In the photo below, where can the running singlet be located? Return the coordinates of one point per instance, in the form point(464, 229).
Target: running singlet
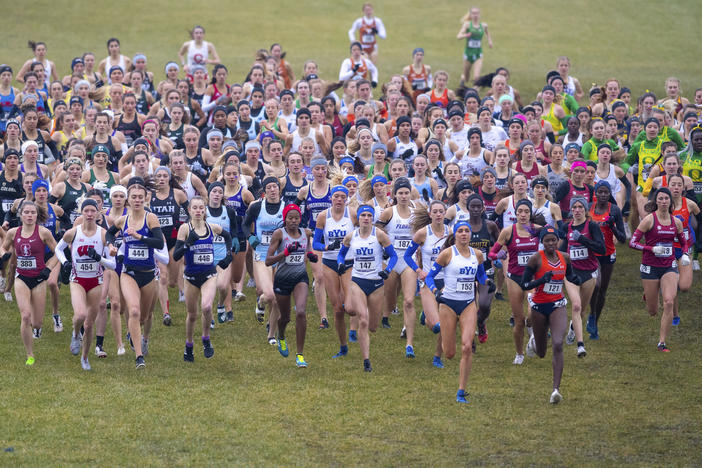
point(83, 265)
point(266, 224)
point(683, 214)
point(400, 232)
point(553, 290)
point(199, 257)
point(459, 276)
point(293, 266)
point(431, 248)
point(315, 205)
point(167, 211)
point(601, 220)
point(419, 80)
point(520, 249)
point(237, 203)
point(441, 101)
point(367, 36)
point(660, 235)
point(30, 253)
point(367, 256)
point(335, 230)
point(223, 221)
point(138, 255)
point(580, 256)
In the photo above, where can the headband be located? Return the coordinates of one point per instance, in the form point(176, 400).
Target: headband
point(350, 178)
point(578, 164)
point(139, 56)
point(460, 224)
point(378, 179)
point(75, 62)
point(80, 83)
point(27, 144)
point(548, 88)
point(5, 68)
point(213, 186)
point(580, 200)
point(289, 208)
point(270, 180)
point(39, 183)
point(523, 201)
point(318, 162)
point(571, 146)
point(488, 170)
point(524, 144)
point(505, 97)
point(339, 188)
point(118, 189)
point(365, 209)
point(462, 185)
point(13, 122)
point(345, 160)
point(379, 146)
point(401, 182)
point(101, 149)
point(541, 180)
point(213, 133)
point(115, 68)
point(603, 145)
point(652, 119)
point(433, 125)
point(405, 119)
point(170, 65)
point(88, 202)
point(162, 168)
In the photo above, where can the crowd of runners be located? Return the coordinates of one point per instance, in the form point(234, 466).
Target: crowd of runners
point(117, 187)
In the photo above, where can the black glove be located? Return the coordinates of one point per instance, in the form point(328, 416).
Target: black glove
point(312, 257)
point(355, 67)
point(6, 256)
point(224, 263)
point(45, 273)
point(576, 235)
point(439, 296)
point(374, 31)
point(92, 253)
point(336, 245)
point(341, 268)
point(407, 154)
point(120, 259)
point(65, 274)
point(384, 274)
point(374, 84)
point(192, 238)
point(547, 276)
point(491, 286)
point(611, 222)
point(414, 86)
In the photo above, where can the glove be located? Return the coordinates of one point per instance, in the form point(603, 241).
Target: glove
point(547, 276)
point(253, 241)
point(647, 167)
point(92, 253)
point(6, 256)
point(685, 260)
point(658, 250)
point(312, 257)
point(45, 273)
point(407, 154)
point(336, 245)
point(294, 247)
point(356, 66)
point(610, 221)
point(576, 235)
point(634, 168)
point(491, 286)
point(439, 296)
point(224, 263)
point(374, 84)
point(192, 238)
point(65, 274)
point(502, 254)
point(341, 268)
point(414, 86)
point(384, 274)
point(236, 246)
point(497, 263)
point(374, 31)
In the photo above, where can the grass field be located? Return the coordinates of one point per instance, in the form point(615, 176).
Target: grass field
point(625, 403)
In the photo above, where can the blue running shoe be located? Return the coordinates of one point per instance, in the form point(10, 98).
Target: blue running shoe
point(409, 352)
point(437, 362)
point(461, 396)
point(422, 318)
point(676, 321)
point(353, 337)
point(207, 348)
point(343, 351)
point(591, 324)
point(595, 336)
point(283, 347)
point(367, 365)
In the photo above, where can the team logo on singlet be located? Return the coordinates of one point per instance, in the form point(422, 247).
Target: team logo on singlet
point(26, 251)
point(197, 58)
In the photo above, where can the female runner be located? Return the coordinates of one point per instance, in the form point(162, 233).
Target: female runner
point(365, 296)
point(197, 51)
point(28, 242)
point(141, 234)
point(659, 270)
point(238, 197)
point(543, 205)
point(545, 273)
point(88, 258)
point(506, 209)
point(196, 244)
point(288, 248)
point(464, 266)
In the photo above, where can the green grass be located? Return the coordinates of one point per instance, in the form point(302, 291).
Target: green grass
point(624, 404)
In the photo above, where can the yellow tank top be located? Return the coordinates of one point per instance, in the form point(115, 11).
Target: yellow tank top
point(555, 122)
point(647, 156)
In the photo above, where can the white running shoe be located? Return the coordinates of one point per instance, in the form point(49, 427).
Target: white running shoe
point(99, 352)
point(518, 359)
point(3, 283)
point(531, 347)
point(58, 324)
point(75, 344)
point(627, 230)
point(581, 351)
point(8, 296)
point(695, 265)
point(556, 397)
point(85, 364)
point(251, 283)
point(181, 296)
point(120, 351)
point(570, 337)
point(240, 296)
point(395, 311)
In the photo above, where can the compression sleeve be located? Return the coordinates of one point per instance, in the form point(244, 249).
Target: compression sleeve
point(110, 236)
point(480, 275)
point(318, 240)
point(155, 240)
point(392, 260)
point(429, 281)
point(596, 244)
point(494, 251)
point(206, 105)
point(227, 240)
point(341, 258)
point(179, 250)
point(107, 261)
point(161, 255)
point(60, 255)
point(251, 214)
point(409, 256)
point(618, 228)
point(635, 243)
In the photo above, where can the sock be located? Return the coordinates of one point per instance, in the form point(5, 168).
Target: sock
point(220, 309)
point(366, 363)
point(99, 340)
point(205, 339)
point(188, 344)
point(344, 349)
point(580, 343)
point(436, 328)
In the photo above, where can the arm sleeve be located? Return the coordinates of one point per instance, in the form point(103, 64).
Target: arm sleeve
point(161, 255)
point(318, 240)
point(251, 216)
point(429, 281)
point(155, 240)
point(234, 221)
point(179, 250)
point(381, 28)
point(392, 261)
point(635, 242)
point(561, 192)
point(53, 199)
point(528, 281)
point(341, 258)
point(110, 236)
point(494, 251)
point(480, 275)
point(60, 255)
point(352, 31)
point(618, 228)
point(227, 240)
point(345, 72)
point(206, 105)
point(409, 256)
point(596, 244)
point(373, 70)
point(107, 261)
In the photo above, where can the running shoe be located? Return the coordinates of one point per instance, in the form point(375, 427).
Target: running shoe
point(58, 324)
point(627, 230)
point(283, 347)
point(461, 396)
point(272, 341)
point(403, 333)
point(482, 333)
point(140, 363)
point(131, 343)
point(343, 351)
point(259, 311)
point(251, 283)
point(3, 283)
point(518, 359)
point(409, 352)
point(230, 316)
point(312, 287)
point(300, 361)
point(37, 333)
point(676, 321)
point(167, 319)
point(221, 314)
point(386, 322)
point(121, 351)
point(436, 328)
point(100, 352)
point(181, 296)
point(591, 324)
point(395, 311)
point(85, 364)
point(207, 348)
point(596, 335)
point(531, 347)
point(437, 362)
point(422, 319)
point(695, 265)
point(324, 325)
point(212, 324)
point(367, 365)
point(144, 346)
point(663, 348)
point(240, 296)
point(581, 351)
point(511, 321)
point(556, 397)
point(570, 337)
point(499, 296)
point(188, 355)
point(75, 344)
point(30, 361)
point(8, 298)
point(353, 338)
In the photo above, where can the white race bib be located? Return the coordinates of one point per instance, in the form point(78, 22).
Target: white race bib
point(464, 285)
point(578, 253)
point(73, 215)
point(553, 287)
point(402, 244)
point(27, 263)
point(87, 268)
point(667, 250)
point(697, 187)
point(365, 264)
point(368, 38)
point(6, 205)
point(137, 253)
point(474, 43)
point(266, 238)
point(297, 258)
point(218, 240)
point(206, 258)
point(165, 221)
point(523, 258)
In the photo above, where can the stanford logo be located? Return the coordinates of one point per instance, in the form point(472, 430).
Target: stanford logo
point(26, 251)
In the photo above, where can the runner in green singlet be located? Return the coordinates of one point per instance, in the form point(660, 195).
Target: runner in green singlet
point(472, 30)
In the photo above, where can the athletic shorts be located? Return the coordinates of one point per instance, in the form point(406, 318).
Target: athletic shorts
point(438, 282)
point(243, 244)
point(333, 265)
point(201, 278)
point(31, 282)
point(368, 286)
point(170, 243)
point(585, 275)
point(472, 55)
point(457, 306)
point(607, 259)
point(546, 308)
point(284, 286)
point(400, 266)
point(142, 277)
point(655, 273)
point(87, 283)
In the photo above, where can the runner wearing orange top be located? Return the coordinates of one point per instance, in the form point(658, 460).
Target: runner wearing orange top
point(418, 74)
point(368, 26)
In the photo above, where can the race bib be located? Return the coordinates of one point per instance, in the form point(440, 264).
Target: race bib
point(137, 253)
point(365, 264)
point(165, 221)
point(645, 269)
point(87, 268)
point(368, 38)
point(419, 84)
point(553, 287)
point(465, 285)
point(578, 253)
point(667, 250)
point(697, 187)
point(218, 240)
point(73, 216)
point(203, 258)
point(6, 205)
point(474, 43)
point(266, 238)
point(523, 258)
point(295, 259)
point(402, 244)
point(27, 263)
